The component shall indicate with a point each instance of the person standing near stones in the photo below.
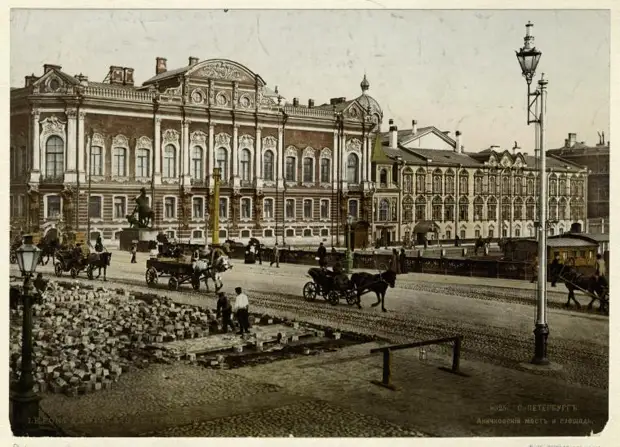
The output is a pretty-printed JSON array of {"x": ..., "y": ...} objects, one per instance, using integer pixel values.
[
  {"x": 225, "y": 309},
  {"x": 134, "y": 250},
  {"x": 240, "y": 308},
  {"x": 321, "y": 253},
  {"x": 276, "y": 256}
]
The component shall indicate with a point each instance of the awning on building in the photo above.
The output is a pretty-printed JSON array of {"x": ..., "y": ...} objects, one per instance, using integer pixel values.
[{"x": 425, "y": 226}]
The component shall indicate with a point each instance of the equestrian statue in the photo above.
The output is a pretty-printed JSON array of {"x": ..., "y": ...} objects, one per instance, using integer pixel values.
[{"x": 145, "y": 214}]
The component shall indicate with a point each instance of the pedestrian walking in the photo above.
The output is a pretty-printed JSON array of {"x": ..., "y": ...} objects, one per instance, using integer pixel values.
[
  {"x": 134, "y": 251},
  {"x": 403, "y": 261},
  {"x": 600, "y": 272},
  {"x": 259, "y": 253},
  {"x": 395, "y": 263},
  {"x": 240, "y": 308},
  {"x": 321, "y": 253},
  {"x": 224, "y": 308},
  {"x": 276, "y": 256},
  {"x": 98, "y": 245},
  {"x": 534, "y": 270},
  {"x": 556, "y": 268}
]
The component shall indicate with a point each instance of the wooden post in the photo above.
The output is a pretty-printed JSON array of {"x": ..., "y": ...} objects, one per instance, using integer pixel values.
[
  {"x": 387, "y": 371},
  {"x": 456, "y": 354}
]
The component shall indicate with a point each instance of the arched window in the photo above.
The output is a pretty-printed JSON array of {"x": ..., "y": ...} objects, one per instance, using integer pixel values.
[
  {"x": 169, "y": 168},
  {"x": 449, "y": 210},
  {"x": 478, "y": 206},
  {"x": 506, "y": 208},
  {"x": 492, "y": 209},
  {"x": 54, "y": 157},
  {"x": 518, "y": 209},
  {"x": 222, "y": 162},
  {"x": 518, "y": 186},
  {"x": 529, "y": 209},
  {"x": 244, "y": 165},
  {"x": 353, "y": 169},
  {"x": 464, "y": 183},
  {"x": 119, "y": 162},
  {"x": 291, "y": 171},
  {"x": 553, "y": 186},
  {"x": 383, "y": 178},
  {"x": 197, "y": 162},
  {"x": 407, "y": 181},
  {"x": 530, "y": 186},
  {"x": 478, "y": 182},
  {"x": 325, "y": 170},
  {"x": 450, "y": 182},
  {"x": 96, "y": 160},
  {"x": 562, "y": 209},
  {"x": 420, "y": 209},
  {"x": 463, "y": 209},
  {"x": 420, "y": 181},
  {"x": 437, "y": 206},
  {"x": 408, "y": 209},
  {"x": 492, "y": 184},
  {"x": 143, "y": 163},
  {"x": 268, "y": 166},
  {"x": 308, "y": 169},
  {"x": 505, "y": 184},
  {"x": 437, "y": 180},
  {"x": 384, "y": 210}
]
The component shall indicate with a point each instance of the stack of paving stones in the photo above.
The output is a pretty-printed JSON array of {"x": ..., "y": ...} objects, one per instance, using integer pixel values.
[{"x": 83, "y": 340}]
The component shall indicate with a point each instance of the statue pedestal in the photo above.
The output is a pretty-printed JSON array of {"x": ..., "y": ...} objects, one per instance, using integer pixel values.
[{"x": 141, "y": 236}]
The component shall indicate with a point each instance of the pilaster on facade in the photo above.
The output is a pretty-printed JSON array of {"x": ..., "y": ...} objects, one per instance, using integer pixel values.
[
  {"x": 71, "y": 172},
  {"x": 279, "y": 156},
  {"x": 157, "y": 137},
  {"x": 234, "y": 157},
  {"x": 35, "y": 147},
  {"x": 210, "y": 156},
  {"x": 258, "y": 155},
  {"x": 80, "y": 147},
  {"x": 185, "y": 154}
]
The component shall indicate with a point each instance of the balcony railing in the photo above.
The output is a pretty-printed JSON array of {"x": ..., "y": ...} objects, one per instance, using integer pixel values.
[
  {"x": 53, "y": 179},
  {"x": 118, "y": 93}
]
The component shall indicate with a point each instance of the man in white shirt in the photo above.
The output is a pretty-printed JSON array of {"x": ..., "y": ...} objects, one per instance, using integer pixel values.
[{"x": 240, "y": 308}]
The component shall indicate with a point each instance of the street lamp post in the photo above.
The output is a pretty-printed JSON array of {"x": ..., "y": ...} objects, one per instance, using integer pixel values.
[
  {"x": 528, "y": 58},
  {"x": 215, "y": 210},
  {"x": 24, "y": 400},
  {"x": 348, "y": 258}
]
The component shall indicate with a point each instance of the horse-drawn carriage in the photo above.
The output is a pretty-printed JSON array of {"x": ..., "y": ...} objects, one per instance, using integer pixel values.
[
  {"x": 330, "y": 285},
  {"x": 181, "y": 270},
  {"x": 74, "y": 261},
  {"x": 597, "y": 289}
]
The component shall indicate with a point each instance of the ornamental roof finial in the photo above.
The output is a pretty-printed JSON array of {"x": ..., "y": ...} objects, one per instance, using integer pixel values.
[{"x": 365, "y": 85}]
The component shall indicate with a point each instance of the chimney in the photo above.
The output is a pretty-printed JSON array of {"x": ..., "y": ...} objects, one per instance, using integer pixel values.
[
  {"x": 494, "y": 146},
  {"x": 393, "y": 135},
  {"x": 459, "y": 142},
  {"x": 295, "y": 102},
  {"x": 193, "y": 60},
  {"x": 116, "y": 75},
  {"x": 128, "y": 76},
  {"x": 31, "y": 80},
  {"x": 515, "y": 149},
  {"x": 160, "y": 65},
  {"x": 50, "y": 67},
  {"x": 310, "y": 103},
  {"x": 572, "y": 139},
  {"x": 414, "y": 127},
  {"x": 83, "y": 79},
  {"x": 335, "y": 101}
]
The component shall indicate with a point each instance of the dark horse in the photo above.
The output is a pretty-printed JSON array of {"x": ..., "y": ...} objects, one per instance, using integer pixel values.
[
  {"x": 578, "y": 281},
  {"x": 48, "y": 249},
  {"x": 365, "y": 282},
  {"x": 98, "y": 261},
  {"x": 481, "y": 243}
]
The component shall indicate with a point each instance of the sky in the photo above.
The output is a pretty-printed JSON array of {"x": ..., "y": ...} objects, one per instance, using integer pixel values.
[{"x": 453, "y": 69}]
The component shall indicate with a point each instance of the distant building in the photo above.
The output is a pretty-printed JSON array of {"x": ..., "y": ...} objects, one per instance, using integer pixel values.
[
  {"x": 423, "y": 174},
  {"x": 596, "y": 159}
]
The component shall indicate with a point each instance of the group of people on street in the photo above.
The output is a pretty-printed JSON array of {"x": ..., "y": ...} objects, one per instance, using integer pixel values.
[
  {"x": 226, "y": 309},
  {"x": 556, "y": 268}
]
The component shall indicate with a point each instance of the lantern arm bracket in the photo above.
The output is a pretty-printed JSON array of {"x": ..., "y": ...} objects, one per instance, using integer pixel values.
[{"x": 532, "y": 99}]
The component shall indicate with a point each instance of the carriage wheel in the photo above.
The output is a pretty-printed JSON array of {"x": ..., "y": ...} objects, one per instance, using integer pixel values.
[
  {"x": 333, "y": 297},
  {"x": 58, "y": 269},
  {"x": 351, "y": 297},
  {"x": 151, "y": 277},
  {"x": 196, "y": 282},
  {"x": 74, "y": 272},
  {"x": 310, "y": 291},
  {"x": 173, "y": 283},
  {"x": 89, "y": 272}
]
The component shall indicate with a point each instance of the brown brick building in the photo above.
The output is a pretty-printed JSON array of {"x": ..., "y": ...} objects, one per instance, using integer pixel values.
[
  {"x": 596, "y": 159},
  {"x": 82, "y": 150}
]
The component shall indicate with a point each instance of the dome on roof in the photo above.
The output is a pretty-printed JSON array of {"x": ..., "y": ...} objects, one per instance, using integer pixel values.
[{"x": 368, "y": 103}]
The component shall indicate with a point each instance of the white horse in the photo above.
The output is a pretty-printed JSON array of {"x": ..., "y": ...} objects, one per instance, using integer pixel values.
[{"x": 213, "y": 270}]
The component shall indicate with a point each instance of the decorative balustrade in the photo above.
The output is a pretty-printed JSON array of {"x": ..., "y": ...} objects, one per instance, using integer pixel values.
[
  {"x": 118, "y": 93},
  {"x": 310, "y": 112}
]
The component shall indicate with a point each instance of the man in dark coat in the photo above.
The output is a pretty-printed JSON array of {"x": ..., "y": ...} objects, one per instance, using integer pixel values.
[
  {"x": 556, "y": 268},
  {"x": 224, "y": 308},
  {"x": 403, "y": 261},
  {"x": 321, "y": 253}
]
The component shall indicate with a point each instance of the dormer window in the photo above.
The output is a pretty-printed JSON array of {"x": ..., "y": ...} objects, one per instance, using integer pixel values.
[{"x": 54, "y": 84}]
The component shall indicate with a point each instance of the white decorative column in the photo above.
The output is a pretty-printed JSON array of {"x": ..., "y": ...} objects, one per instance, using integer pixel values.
[
  {"x": 35, "y": 149},
  {"x": 369, "y": 158},
  {"x": 363, "y": 164},
  {"x": 334, "y": 161},
  {"x": 211, "y": 151},
  {"x": 258, "y": 155},
  {"x": 234, "y": 158},
  {"x": 280, "y": 178},
  {"x": 157, "y": 151},
  {"x": 70, "y": 173},
  {"x": 185, "y": 152},
  {"x": 82, "y": 155},
  {"x": 343, "y": 161}
]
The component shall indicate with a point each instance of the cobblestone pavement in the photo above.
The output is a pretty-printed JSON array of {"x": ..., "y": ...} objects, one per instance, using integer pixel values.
[
  {"x": 496, "y": 331},
  {"x": 306, "y": 419}
]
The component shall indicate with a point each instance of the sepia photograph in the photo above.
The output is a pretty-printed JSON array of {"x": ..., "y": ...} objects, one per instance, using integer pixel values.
[{"x": 282, "y": 223}]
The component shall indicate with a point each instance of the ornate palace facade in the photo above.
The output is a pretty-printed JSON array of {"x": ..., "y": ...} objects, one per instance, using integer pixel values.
[
  {"x": 81, "y": 151},
  {"x": 423, "y": 174}
]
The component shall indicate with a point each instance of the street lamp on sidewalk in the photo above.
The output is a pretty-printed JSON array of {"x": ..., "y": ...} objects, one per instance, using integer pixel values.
[
  {"x": 348, "y": 257},
  {"x": 24, "y": 401},
  {"x": 528, "y": 58}
]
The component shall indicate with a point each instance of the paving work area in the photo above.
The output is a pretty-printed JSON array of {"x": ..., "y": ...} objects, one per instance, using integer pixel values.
[{"x": 331, "y": 389}]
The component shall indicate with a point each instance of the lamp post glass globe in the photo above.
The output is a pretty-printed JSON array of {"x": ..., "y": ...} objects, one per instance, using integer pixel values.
[
  {"x": 28, "y": 256},
  {"x": 528, "y": 56}
]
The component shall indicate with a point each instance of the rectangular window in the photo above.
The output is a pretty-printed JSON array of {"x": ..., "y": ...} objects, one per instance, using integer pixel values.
[
  {"x": 246, "y": 208},
  {"x": 463, "y": 211},
  {"x": 96, "y": 160},
  {"x": 290, "y": 169},
  {"x": 308, "y": 170},
  {"x": 223, "y": 208},
  {"x": 119, "y": 207},
  {"x": 307, "y": 208},
  {"x": 142, "y": 163},
  {"x": 325, "y": 170},
  {"x": 197, "y": 208},
  {"x": 94, "y": 207},
  {"x": 324, "y": 209},
  {"x": 268, "y": 208},
  {"x": 491, "y": 233},
  {"x": 290, "y": 208},
  {"x": 353, "y": 209},
  {"x": 448, "y": 234},
  {"x": 477, "y": 234},
  {"x": 170, "y": 207},
  {"x": 119, "y": 167}
]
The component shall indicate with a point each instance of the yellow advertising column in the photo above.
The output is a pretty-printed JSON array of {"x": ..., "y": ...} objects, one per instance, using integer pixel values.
[{"x": 215, "y": 213}]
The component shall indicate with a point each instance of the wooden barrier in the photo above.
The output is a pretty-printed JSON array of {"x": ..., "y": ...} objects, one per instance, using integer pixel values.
[{"x": 386, "y": 381}]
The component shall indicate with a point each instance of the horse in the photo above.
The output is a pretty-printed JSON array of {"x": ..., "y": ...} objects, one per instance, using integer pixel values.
[
  {"x": 48, "y": 249},
  {"x": 98, "y": 261},
  {"x": 367, "y": 282},
  {"x": 212, "y": 270},
  {"x": 575, "y": 280}
]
